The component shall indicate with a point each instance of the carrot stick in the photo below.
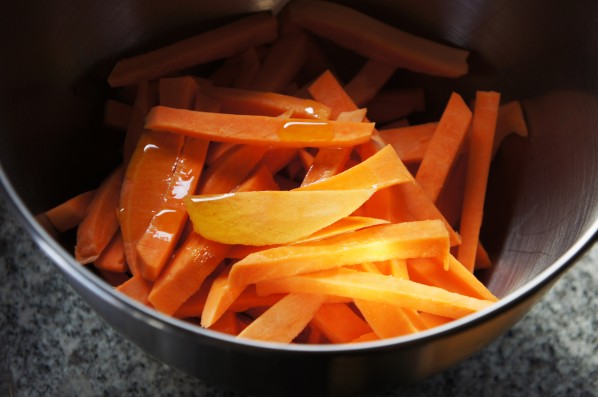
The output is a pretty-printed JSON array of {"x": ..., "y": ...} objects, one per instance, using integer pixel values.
[
  {"x": 145, "y": 97},
  {"x": 219, "y": 299},
  {"x": 117, "y": 114},
  {"x": 101, "y": 222},
  {"x": 217, "y": 149},
  {"x": 390, "y": 105},
  {"x": 70, "y": 213},
  {"x": 228, "y": 324},
  {"x": 344, "y": 225},
  {"x": 262, "y": 218},
  {"x": 282, "y": 63},
  {"x": 373, "y": 244},
  {"x": 156, "y": 245},
  {"x": 260, "y": 179},
  {"x": 193, "y": 306},
  {"x": 230, "y": 169},
  {"x": 376, "y": 40},
  {"x": 253, "y": 102},
  {"x": 327, "y": 90},
  {"x": 192, "y": 263},
  {"x": 372, "y": 76},
  {"x": 283, "y": 321},
  {"x": 338, "y": 323},
  {"x": 410, "y": 142},
  {"x": 433, "y": 320},
  {"x": 215, "y": 44},
  {"x": 276, "y": 158},
  {"x": 112, "y": 258},
  {"x": 420, "y": 206},
  {"x": 378, "y": 288},
  {"x": 151, "y": 174},
  {"x": 258, "y": 130},
  {"x": 450, "y": 200},
  {"x": 456, "y": 279},
  {"x": 249, "y": 298},
  {"x": 137, "y": 288},
  {"x": 389, "y": 320},
  {"x": 382, "y": 170},
  {"x": 480, "y": 155},
  {"x": 250, "y": 64},
  {"x": 444, "y": 146}
]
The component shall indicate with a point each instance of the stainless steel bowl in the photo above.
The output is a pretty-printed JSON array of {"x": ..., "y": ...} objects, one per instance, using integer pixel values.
[{"x": 542, "y": 211}]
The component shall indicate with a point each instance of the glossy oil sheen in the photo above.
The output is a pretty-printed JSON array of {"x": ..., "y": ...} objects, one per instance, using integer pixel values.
[{"x": 541, "y": 209}]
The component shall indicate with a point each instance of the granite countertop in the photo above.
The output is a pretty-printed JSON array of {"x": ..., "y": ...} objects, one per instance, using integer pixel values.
[{"x": 52, "y": 344}]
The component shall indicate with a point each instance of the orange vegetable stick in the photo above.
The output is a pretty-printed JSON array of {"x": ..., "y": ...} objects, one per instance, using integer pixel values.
[
  {"x": 258, "y": 130},
  {"x": 369, "y": 337},
  {"x": 230, "y": 169},
  {"x": 410, "y": 142},
  {"x": 480, "y": 155},
  {"x": 228, "y": 324},
  {"x": 250, "y": 64},
  {"x": 326, "y": 163},
  {"x": 377, "y": 288},
  {"x": 217, "y": 149},
  {"x": 70, "y": 213},
  {"x": 249, "y": 298},
  {"x": 145, "y": 97},
  {"x": 338, "y": 323},
  {"x": 389, "y": 320},
  {"x": 418, "y": 204},
  {"x": 219, "y": 299},
  {"x": 282, "y": 63},
  {"x": 372, "y": 76},
  {"x": 433, "y": 320},
  {"x": 444, "y": 146},
  {"x": 390, "y": 105},
  {"x": 260, "y": 179},
  {"x": 192, "y": 263},
  {"x": 344, "y": 225},
  {"x": 456, "y": 279},
  {"x": 276, "y": 158},
  {"x": 382, "y": 170},
  {"x": 215, "y": 44},
  {"x": 193, "y": 306},
  {"x": 253, "y": 102},
  {"x": 101, "y": 222},
  {"x": 156, "y": 245},
  {"x": 117, "y": 114},
  {"x": 283, "y": 321},
  {"x": 330, "y": 161},
  {"x": 374, "y": 39},
  {"x": 373, "y": 244},
  {"x": 327, "y": 90},
  {"x": 151, "y": 175},
  {"x": 137, "y": 288},
  {"x": 262, "y": 218},
  {"x": 112, "y": 257}
]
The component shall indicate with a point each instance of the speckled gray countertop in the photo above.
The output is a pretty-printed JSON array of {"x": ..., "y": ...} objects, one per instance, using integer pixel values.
[{"x": 52, "y": 344}]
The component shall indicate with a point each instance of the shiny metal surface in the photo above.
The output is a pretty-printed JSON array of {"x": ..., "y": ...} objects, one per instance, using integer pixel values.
[{"x": 542, "y": 207}]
